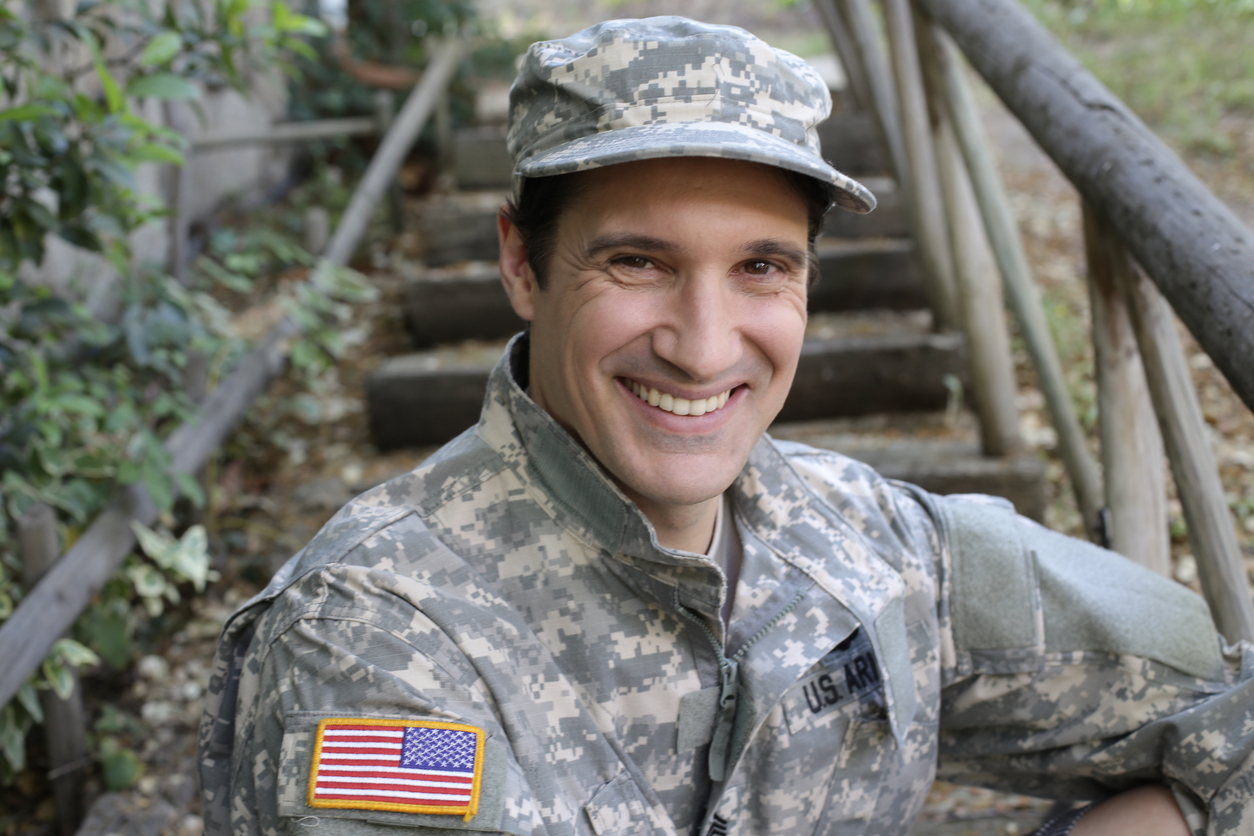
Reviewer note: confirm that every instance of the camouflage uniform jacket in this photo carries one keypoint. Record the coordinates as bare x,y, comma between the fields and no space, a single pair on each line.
507,585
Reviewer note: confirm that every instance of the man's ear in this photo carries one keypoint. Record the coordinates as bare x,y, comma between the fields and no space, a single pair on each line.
516,274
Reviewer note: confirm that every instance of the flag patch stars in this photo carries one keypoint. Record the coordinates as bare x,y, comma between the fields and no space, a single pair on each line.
401,766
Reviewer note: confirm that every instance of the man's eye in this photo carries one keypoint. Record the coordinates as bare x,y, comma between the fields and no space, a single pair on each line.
758,268
634,262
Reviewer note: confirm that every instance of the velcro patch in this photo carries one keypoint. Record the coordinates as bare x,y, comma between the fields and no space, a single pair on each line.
401,766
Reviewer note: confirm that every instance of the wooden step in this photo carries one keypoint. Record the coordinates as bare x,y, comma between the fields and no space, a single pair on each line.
875,373
480,160
867,273
429,397
465,300
460,227
887,219
850,141
939,465
459,302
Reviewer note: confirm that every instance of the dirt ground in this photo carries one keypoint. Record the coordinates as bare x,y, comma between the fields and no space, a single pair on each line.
284,475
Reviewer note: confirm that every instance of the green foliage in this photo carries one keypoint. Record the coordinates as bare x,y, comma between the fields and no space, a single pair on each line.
85,404
393,34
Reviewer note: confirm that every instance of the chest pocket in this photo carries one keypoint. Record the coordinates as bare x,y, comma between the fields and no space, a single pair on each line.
849,674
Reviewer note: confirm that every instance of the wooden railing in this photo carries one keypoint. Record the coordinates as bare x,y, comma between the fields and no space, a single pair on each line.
1142,208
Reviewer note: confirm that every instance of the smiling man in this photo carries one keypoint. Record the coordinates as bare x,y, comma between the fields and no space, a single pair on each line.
616,606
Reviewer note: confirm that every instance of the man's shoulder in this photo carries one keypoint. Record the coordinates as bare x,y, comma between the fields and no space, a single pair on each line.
389,528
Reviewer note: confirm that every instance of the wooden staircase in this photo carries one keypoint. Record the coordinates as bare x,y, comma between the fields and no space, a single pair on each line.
874,381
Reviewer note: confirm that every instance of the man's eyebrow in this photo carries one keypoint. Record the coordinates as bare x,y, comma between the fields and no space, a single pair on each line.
772,247
764,248
639,242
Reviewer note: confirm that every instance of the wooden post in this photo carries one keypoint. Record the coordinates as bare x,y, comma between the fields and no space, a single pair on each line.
980,302
64,723
396,143
1003,235
861,25
847,52
384,113
1132,447
930,232
1211,533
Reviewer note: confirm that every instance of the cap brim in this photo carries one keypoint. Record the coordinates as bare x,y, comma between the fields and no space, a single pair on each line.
693,139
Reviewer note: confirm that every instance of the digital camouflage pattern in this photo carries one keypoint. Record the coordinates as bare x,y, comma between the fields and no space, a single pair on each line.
628,90
877,632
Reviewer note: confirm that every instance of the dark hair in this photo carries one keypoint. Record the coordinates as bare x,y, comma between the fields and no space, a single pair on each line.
545,199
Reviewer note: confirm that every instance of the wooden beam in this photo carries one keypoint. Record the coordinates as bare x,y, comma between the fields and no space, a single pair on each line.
1212,535
931,226
1132,447
861,25
1021,292
847,52
396,143
981,305
1198,253
285,132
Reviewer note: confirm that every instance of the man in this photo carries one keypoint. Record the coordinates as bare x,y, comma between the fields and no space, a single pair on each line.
615,606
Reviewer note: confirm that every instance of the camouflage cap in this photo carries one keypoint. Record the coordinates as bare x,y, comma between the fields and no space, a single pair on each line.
628,90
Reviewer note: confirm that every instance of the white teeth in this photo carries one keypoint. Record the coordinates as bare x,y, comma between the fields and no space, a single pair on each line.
679,406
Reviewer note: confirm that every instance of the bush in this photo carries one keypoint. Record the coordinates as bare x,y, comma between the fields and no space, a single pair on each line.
84,404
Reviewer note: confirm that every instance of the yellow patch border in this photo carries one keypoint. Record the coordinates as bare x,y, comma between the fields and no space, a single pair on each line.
472,807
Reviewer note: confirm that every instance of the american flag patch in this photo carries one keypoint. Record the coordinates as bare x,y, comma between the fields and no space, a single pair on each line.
397,765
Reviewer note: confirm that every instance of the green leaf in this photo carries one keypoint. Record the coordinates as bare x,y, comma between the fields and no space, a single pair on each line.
148,582
12,739
151,152
287,21
29,698
113,93
163,86
161,49
155,544
190,559
190,488
160,487
59,677
25,113
121,768
74,653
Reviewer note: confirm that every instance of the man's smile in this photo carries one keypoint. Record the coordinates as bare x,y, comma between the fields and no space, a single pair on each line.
667,402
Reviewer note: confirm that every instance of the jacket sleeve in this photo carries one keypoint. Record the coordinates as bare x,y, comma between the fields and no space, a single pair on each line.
348,664
1070,671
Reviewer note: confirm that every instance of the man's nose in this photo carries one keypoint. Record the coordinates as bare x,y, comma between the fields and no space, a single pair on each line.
701,335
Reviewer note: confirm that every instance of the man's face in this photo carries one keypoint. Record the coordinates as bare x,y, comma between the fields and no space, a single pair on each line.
676,286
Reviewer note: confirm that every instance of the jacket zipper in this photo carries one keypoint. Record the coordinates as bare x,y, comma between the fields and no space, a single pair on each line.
720,745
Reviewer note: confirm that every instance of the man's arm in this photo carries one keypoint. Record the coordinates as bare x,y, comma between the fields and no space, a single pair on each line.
1076,673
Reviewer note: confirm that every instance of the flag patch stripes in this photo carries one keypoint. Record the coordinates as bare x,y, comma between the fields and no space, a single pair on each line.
402,766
